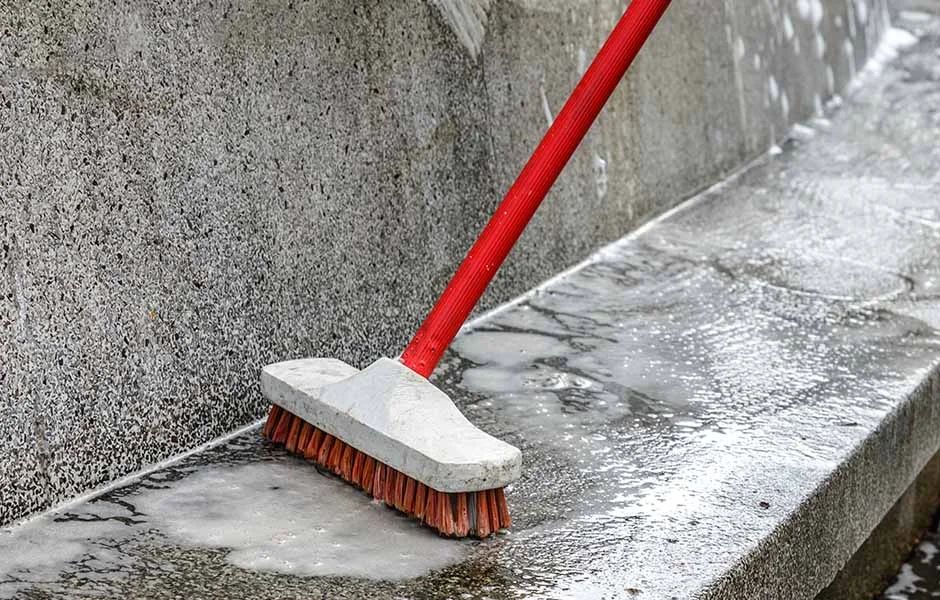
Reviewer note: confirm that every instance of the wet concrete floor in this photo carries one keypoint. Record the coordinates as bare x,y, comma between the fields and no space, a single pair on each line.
720,406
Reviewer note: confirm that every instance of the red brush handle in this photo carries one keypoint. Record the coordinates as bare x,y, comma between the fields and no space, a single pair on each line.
537,177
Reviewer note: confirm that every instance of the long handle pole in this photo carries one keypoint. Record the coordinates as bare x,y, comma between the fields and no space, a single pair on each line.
533,183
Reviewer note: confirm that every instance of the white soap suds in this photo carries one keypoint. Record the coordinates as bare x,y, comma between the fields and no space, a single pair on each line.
861,10
816,12
802,133
738,78
772,88
787,27
739,49
906,584
929,550
283,517
892,42
848,49
467,19
271,516
599,166
546,109
804,9
37,551
850,15
818,105
899,39
820,43
915,16
821,123
508,349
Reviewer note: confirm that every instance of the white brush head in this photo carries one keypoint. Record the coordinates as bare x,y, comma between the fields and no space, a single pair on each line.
395,416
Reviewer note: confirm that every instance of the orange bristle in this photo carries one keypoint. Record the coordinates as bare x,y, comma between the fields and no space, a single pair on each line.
355,474
313,444
305,432
346,463
293,434
378,481
430,513
368,474
336,455
400,483
324,453
451,514
493,509
408,504
283,426
483,515
391,476
447,514
421,499
273,415
462,524
504,520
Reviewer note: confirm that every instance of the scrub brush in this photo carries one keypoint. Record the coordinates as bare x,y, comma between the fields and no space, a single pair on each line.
387,429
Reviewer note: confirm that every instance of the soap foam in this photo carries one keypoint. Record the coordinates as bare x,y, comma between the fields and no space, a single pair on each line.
286,517
271,516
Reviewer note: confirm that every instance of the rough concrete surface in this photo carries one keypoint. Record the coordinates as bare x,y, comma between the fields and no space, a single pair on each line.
191,190
723,405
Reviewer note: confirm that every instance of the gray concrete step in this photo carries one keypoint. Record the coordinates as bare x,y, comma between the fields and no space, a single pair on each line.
724,404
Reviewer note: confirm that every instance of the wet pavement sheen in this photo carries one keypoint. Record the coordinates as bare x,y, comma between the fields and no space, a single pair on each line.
680,402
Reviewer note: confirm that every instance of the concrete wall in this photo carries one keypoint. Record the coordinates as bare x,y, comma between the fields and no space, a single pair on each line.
190,190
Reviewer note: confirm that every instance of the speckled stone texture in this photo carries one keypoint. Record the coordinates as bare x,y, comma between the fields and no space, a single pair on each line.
191,190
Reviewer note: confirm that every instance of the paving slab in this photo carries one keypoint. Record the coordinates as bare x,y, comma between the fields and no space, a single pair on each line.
724,404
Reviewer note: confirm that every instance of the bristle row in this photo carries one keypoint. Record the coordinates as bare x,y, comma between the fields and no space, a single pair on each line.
453,514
